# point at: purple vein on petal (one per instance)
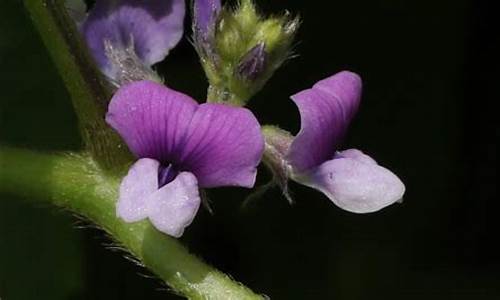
(221, 145)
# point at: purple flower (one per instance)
(150, 28)
(181, 145)
(351, 179)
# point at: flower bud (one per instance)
(244, 49)
(253, 63)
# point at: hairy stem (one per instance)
(89, 91)
(75, 182)
(216, 94)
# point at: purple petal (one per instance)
(205, 14)
(173, 207)
(346, 87)
(355, 184)
(152, 119)
(223, 147)
(140, 182)
(325, 111)
(155, 27)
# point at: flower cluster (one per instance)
(182, 145)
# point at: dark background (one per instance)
(431, 74)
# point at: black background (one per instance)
(431, 73)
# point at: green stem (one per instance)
(89, 92)
(74, 182)
(217, 94)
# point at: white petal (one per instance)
(139, 184)
(173, 207)
(357, 185)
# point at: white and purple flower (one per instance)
(349, 178)
(132, 33)
(181, 146)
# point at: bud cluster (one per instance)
(239, 48)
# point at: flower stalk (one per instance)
(88, 89)
(75, 182)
